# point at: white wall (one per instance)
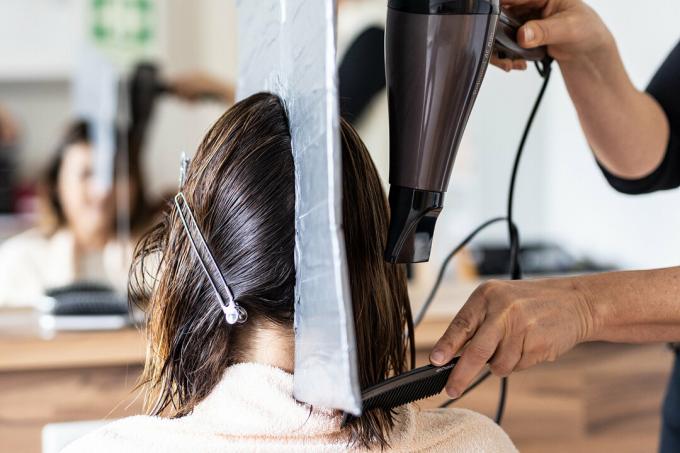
(201, 35)
(42, 109)
(39, 37)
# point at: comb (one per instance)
(409, 387)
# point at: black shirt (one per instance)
(665, 88)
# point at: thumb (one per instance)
(461, 329)
(546, 32)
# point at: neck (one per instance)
(268, 344)
(85, 242)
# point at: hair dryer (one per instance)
(437, 52)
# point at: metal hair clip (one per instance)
(233, 312)
(183, 168)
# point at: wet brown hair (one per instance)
(240, 186)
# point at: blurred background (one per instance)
(100, 98)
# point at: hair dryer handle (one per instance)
(506, 46)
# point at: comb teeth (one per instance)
(409, 392)
(406, 388)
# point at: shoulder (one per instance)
(37, 248)
(133, 434)
(31, 262)
(24, 242)
(151, 434)
(22, 259)
(458, 430)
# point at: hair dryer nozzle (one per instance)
(413, 217)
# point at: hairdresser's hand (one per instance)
(571, 29)
(197, 85)
(513, 325)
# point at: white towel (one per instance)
(253, 409)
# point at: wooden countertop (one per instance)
(24, 346)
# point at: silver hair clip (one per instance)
(183, 168)
(233, 312)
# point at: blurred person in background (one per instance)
(9, 136)
(9, 130)
(76, 239)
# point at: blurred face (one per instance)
(89, 210)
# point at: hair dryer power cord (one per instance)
(544, 69)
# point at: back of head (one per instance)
(241, 188)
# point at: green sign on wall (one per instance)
(126, 30)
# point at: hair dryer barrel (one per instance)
(436, 55)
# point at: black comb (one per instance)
(411, 386)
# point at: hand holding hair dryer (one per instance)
(437, 52)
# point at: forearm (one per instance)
(513, 325)
(632, 307)
(626, 128)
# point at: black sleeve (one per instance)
(665, 88)
(362, 72)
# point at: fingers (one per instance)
(555, 30)
(524, 10)
(461, 329)
(529, 359)
(528, 3)
(507, 356)
(475, 356)
(537, 349)
(519, 65)
(457, 334)
(507, 64)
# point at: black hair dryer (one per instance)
(437, 52)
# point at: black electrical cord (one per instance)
(544, 69)
(445, 264)
(515, 271)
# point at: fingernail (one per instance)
(453, 394)
(529, 34)
(437, 357)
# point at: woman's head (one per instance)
(240, 186)
(73, 199)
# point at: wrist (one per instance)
(593, 60)
(591, 308)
